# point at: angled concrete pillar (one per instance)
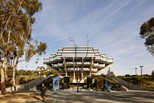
(65, 66)
(91, 66)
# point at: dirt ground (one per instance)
(22, 97)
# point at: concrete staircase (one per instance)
(125, 84)
(32, 83)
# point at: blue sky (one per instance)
(112, 26)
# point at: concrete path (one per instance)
(86, 96)
(62, 96)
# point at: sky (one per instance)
(112, 26)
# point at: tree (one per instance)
(41, 70)
(152, 74)
(16, 19)
(147, 33)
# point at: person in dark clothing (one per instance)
(43, 90)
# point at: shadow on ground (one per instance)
(81, 97)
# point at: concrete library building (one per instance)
(78, 63)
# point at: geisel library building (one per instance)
(78, 63)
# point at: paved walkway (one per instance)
(100, 97)
(62, 96)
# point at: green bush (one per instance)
(84, 86)
(85, 81)
(22, 80)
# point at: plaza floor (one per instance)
(62, 96)
(101, 97)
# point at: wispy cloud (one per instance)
(112, 26)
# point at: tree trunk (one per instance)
(3, 90)
(14, 73)
(5, 69)
(14, 78)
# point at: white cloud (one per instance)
(112, 26)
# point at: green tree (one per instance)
(147, 33)
(16, 19)
(29, 72)
(152, 74)
(41, 70)
(21, 72)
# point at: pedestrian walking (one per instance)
(43, 90)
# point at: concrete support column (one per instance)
(65, 66)
(82, 68)
(91, 65)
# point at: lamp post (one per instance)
(141, 74)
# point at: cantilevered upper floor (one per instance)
(78, 62)
(83, 57)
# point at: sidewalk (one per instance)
(86, 96)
